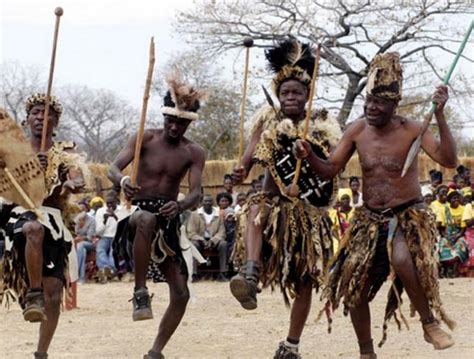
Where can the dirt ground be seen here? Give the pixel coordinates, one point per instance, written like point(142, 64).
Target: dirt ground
point(215, 326)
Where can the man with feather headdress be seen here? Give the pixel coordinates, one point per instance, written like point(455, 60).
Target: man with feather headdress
point(37, 264)
point(394, 231)
point(283, 240)
point(151, 235)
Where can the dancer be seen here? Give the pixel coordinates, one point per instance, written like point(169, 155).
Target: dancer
point(281, 239)
point(394, 229)
point(36, 260)
point(153, 231)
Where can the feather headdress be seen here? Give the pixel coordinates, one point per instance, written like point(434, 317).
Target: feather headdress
point(290, 59)
point(181, 100)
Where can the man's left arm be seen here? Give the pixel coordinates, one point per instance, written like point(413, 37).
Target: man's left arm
point(443, 150)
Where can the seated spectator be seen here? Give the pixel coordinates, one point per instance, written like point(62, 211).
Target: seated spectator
point(427, 194)
point(241, 198)
point(257, 184)
point(452, 245)
point(340, 217)
point(436, 179)
point(356, 194)
point(224, 201)
point(439, 205)
point(465, 173)
point(206, 230)
point(229, 224)
point(468, 219)
point(94, 204)
point(85, 230)
point(106, 227)
point(466, 193)
point(229, 188)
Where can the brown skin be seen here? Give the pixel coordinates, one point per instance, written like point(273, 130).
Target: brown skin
point(382, 140)
point(166, 156)
point(293, 97)
point(34, 232)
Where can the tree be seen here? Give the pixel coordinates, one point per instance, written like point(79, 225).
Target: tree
point(351, 34)
point(17, 83)
point(98, 120)
point(217, 129)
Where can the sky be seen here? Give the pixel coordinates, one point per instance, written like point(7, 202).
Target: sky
point(101, 44)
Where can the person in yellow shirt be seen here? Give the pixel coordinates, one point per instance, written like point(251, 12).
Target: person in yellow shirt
point(340, 217)
point(468, 219)
point(453, 248)
point(440, 204)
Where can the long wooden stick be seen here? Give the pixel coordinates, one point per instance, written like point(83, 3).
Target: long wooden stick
point(58, 12)
point(293, 190)
point(141, 128)
point(22, 193)
point(19, 189)
point(248, 43)
point(415, 147)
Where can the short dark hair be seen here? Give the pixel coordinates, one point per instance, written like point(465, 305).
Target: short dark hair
point(354, 179)
point(227, 176)
point(225, 195)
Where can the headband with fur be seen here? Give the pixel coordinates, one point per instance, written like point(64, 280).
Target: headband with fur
point(181, 100)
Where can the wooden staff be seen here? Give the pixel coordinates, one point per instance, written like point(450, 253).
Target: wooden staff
point(22, 193)
point(293, 191)
point(58, 12)
point(141, 128)
point(248, 43)
point(415, 147)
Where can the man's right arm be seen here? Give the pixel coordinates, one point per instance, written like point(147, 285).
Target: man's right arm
point(338, 158)
point(122, 160)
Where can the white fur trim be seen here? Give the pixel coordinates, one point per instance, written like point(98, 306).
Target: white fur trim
point(173, 111)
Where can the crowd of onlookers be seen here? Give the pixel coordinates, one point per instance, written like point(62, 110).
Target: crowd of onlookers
point(211, 227)
point(452, 206)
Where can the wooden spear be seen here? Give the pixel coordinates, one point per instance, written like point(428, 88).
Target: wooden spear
point(248, 43)
point(415, 147)
point(58, 12)
point(141, 128)
point(293, 190)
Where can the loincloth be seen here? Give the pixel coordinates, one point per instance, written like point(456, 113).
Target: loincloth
point(297, 242)
point(165, 239)
point(365, 254)
point(56, 246)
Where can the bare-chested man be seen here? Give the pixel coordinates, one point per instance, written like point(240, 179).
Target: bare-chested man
point(166, 156)
point(394, 228)
point(37, 248)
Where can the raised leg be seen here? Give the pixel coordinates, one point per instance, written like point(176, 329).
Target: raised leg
point(405, 268)
point(34, 234)
point(244, 286)
point(144, 225)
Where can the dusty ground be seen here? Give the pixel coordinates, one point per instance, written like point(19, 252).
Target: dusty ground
point(216, 327)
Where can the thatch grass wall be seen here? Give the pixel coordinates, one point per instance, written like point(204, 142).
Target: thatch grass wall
point(214, 173)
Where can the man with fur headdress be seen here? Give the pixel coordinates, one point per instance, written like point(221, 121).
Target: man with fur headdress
point(36, 260)
point(282, 240)
point(152, 232)
point(394, 230)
